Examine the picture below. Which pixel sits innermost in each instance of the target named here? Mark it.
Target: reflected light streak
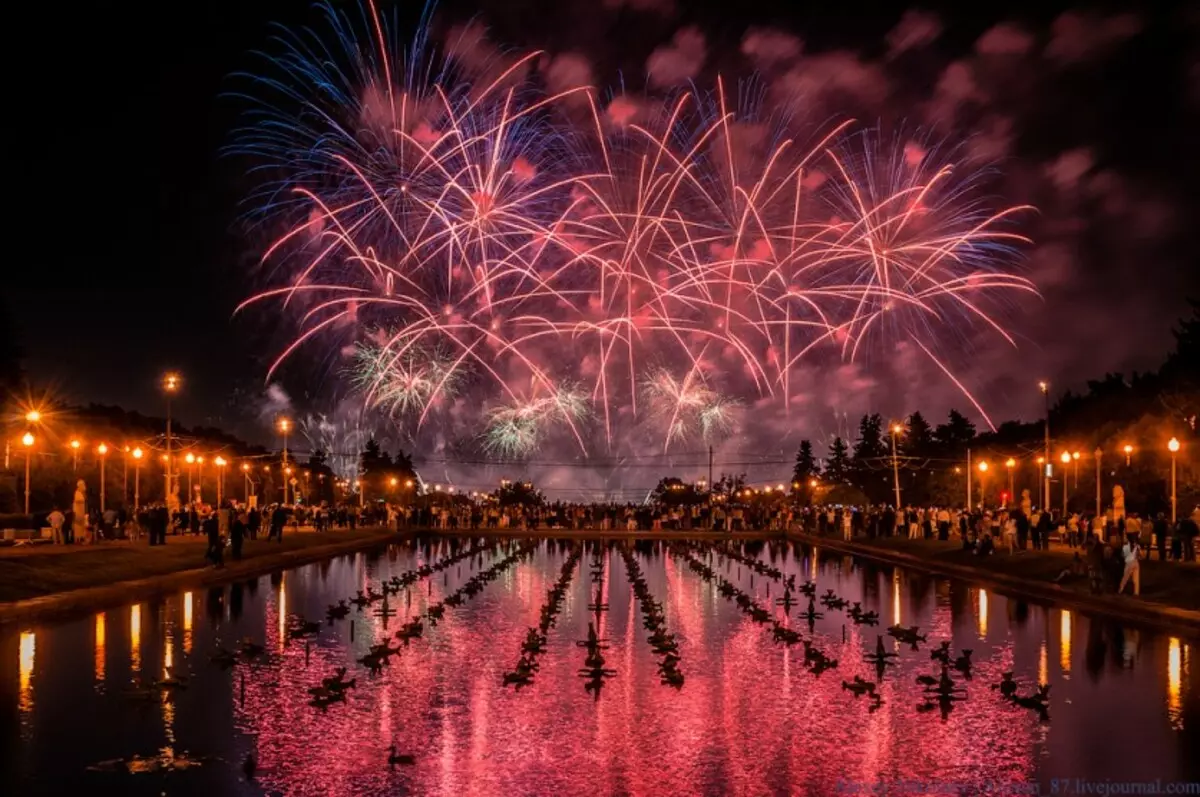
(1064, 658)
(896, 597)
(1043, 664)
(813, 569)
(28, 643)
(100, 642)
(187, 622)
(983, 613)
(282, 611)
(1175, 684)
(168, 705)
(135, 637)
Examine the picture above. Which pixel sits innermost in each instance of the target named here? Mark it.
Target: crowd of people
(1108, 548)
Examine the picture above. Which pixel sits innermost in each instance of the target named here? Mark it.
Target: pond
(753, 715)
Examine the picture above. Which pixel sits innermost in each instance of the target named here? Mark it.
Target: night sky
(138, 261)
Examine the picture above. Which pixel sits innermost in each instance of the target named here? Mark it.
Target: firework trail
(688, 262)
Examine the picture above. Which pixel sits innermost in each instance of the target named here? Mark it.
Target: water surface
(749, 719)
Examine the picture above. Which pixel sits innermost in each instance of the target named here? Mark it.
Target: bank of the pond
(44, 581)
(1170, 594)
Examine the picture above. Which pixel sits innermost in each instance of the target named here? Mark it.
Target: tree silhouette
(955, 436)
(837, 466)
(805, 470)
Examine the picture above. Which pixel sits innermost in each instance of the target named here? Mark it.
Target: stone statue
(1026, 504)
(1118, 504)
(79, 525)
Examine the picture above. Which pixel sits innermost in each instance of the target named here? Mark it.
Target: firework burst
(513, 249)
(517, 430)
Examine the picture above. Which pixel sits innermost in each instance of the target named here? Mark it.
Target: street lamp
(983, 469)
(102, 450)
(170, 384)
(190, 459)
(896, 430)
(1045, 388)
(1042, 500)
(220, 463)
(246, 476)
(1066, 460)
(1075, 474)
(33, 416)
(1173, 445)
(285, 426)
(75, 445)
(1128, 449)
(137, 478)
(1010, 463)
(27, 440)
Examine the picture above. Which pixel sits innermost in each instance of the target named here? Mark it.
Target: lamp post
(285, 426)
(1075, 473)
(102, 450)
(137, 479)
(1066, 460)
(1041, 466)
(1099, 452)
(983, 469)
(220, 463)
(75, 445)
(170, 385)
(190, 459)
(246, 476)
(27, 440)
(1045, 388)
(1173, 445)
(287, 479)
(1010, 463)
(200, 479)
(125, 475)
(896, 430)
(1128, 449)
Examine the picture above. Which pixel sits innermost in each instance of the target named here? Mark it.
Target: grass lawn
(1170, 583)
(31, 572)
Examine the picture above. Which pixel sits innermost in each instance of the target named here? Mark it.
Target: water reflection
(1175, 683)
(983, 613)
(750, 719)
(135, 638)
(187, 622)
(28, 644)
(1064, 658)
(99, 650)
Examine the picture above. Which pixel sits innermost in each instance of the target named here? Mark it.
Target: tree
(729, 484)
(805, 471)
(673, 491)
(837, 466)
(372, 461)
(321, 478)
(917, 440)
(519, 493)
(955, 436)
(870, 451)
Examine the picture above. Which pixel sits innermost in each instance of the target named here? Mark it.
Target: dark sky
(129, 259)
